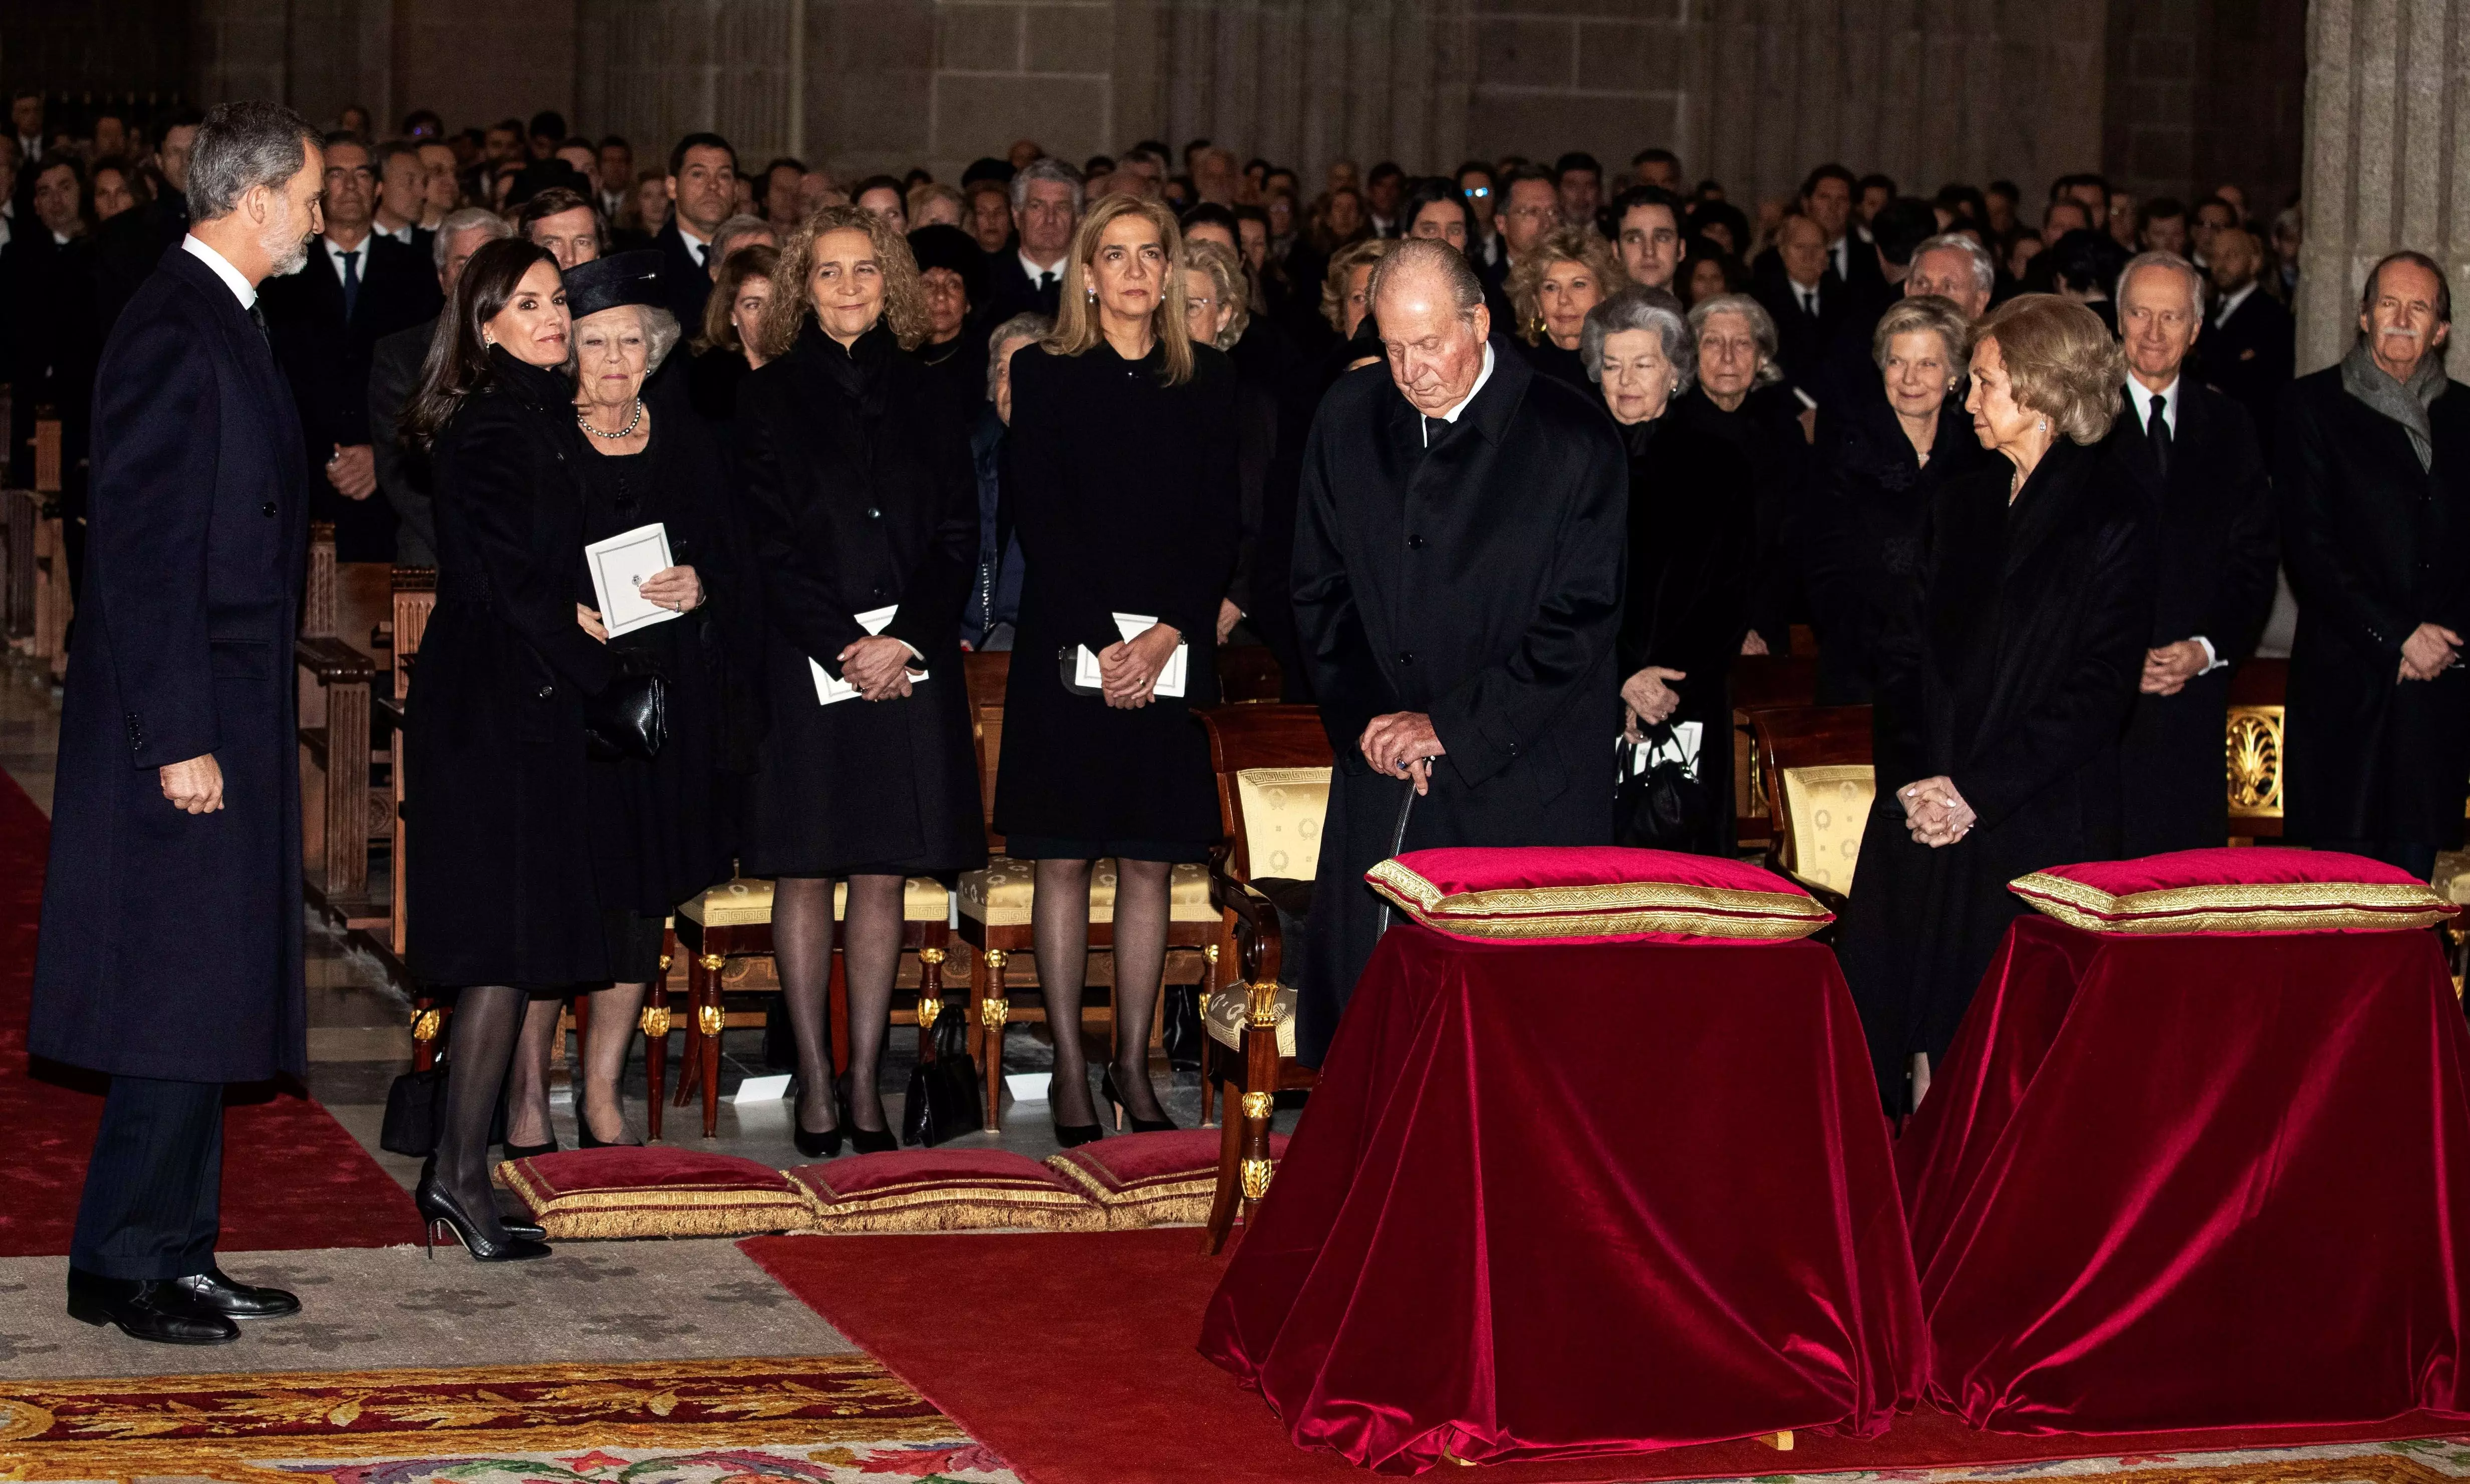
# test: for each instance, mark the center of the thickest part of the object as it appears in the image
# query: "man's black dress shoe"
(147, 1308)
(214, 1290)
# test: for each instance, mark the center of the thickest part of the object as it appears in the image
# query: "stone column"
(2388, 157)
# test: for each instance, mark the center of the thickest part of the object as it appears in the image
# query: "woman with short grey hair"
(1689, 544)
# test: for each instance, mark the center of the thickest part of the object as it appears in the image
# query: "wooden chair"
(1272, 764)
(1760, 681)
(1819, 788)
(2252, 748)
(414, 598)
(21, 512)
(994, 905)
(337, 809)
(1247, 673)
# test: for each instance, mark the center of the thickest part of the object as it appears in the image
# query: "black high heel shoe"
(814, 1146)
(584, 1139)
(1123, 1110)
(1070, 1135)
(438, 1207)
(534, 1150)
(865, 1140)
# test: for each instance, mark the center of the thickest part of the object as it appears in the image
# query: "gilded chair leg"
(994, 1012)
(1223, 1200)
(691, 1049)
(930, 994)
(655, 1021)
(710, 1021)
(428, 1024)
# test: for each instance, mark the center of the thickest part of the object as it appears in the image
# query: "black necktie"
(1435, 428)
(2157, 428)
(1045, 280)
(257, 317)
(351, 282)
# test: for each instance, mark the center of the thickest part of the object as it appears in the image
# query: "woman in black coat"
(1880, 463)
(1741, 398)
(1685, 609)
(2003, 692)
(495, 789)
(864, 508)
(1124, 455)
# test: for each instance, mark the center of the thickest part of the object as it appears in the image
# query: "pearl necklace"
(628, 432)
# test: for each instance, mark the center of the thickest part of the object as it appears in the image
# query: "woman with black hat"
(953, 272)
(658, 826)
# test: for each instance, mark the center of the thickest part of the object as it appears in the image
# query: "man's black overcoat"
(2376, 546)
(171, 942)
(1478, 581)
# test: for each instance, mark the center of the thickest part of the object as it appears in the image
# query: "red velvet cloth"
(1536, 894)
(2242, 865)
(2261, 889)
(1557, 1201)
(2186, 1182)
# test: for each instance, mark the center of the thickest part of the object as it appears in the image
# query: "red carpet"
(1023, 1340)
(291, 1177)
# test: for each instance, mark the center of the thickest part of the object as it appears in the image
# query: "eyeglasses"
(1532, 212)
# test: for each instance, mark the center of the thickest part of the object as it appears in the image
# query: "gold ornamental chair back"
(1819, 787)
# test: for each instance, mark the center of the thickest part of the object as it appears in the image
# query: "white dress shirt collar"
(1036, 270)
(401, 234)
(1467, 401)
(699, 248)
(242, 289)
(335, 252)
(2230, 302)
(2140, 397)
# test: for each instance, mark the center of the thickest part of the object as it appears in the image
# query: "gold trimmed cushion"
(1282, 809)
(1225, 1012)
(580, 1194)
(1000, 895)
(1151, 1179)
(2255, 888)
(1596, 893)
(749, 899)
(1825, 808)
(943, 1190)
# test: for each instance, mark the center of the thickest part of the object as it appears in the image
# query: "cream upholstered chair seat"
(1225, 1014)
(749, 900)
(1826, 808)
(1001, 895)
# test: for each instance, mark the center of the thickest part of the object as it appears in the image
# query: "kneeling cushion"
(656, 1192)
(2259, 888)
(1152, 1179)
(942, 1191)
(1596, 893)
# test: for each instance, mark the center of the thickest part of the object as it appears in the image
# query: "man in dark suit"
(132, 243)
(1808, 301)
(2218, 557)
(170, 956)
(1826, 198)
(703, 194)
(356, 287)
(395, 375)
(1046, 208)
(2251, 348)
(1483, 707)
(2372, 471)
(47, 328)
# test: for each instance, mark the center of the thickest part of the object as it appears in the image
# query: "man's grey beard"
(284, 245)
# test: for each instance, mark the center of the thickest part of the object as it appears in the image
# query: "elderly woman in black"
(1740, 398)
(1690, 536)
(1881, 462)
(2003, 691)
(1124, 457)
(865, 517)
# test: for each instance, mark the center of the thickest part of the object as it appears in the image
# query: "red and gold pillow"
(2262, 888)
(580, 1195)
(1596, 893)
(1151, 1179)
(942, 1191)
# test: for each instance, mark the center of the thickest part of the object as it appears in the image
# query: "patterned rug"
(2408, 1461)
(833, 1420)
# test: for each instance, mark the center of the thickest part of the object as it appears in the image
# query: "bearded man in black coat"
(2373, 475)
(170, 955)
(1458, 592)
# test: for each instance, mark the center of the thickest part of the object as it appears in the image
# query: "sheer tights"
(486, 1017)
(607, 1038)
(801, 942)
(1059, 924)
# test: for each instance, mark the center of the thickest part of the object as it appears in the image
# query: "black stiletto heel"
(1070, 1135)
(532, 1151)
(864, 1140)
(438, 1208)
(813, 1146)
(1123, 1110)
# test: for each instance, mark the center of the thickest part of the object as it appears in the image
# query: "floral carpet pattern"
(2411, 1461)
(832, 1420)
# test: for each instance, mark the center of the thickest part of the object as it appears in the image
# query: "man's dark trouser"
(153, 1189)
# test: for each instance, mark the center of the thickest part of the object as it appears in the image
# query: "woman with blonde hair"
(1123, 447)
(730, 344)
(1552, 289)
(2003, 684)
(863, 507)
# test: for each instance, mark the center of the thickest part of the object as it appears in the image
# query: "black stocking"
(1059, 919)
(1141, 904)
(485, 1021)
(871, 948)
(801, 948)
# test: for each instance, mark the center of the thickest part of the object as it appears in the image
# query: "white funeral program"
(620, 563)
(830, 690)
(1132, 626)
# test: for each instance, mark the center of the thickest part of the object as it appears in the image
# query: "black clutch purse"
(630, 718)
(943, 1101)
(1663, 808)
(415, 1114)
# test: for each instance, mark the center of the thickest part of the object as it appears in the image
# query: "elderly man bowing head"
(1457, 579)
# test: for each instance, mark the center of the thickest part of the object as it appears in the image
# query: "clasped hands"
(1935, 813)
(878, 666)
(2429, 652)
(1646, 697)
(671, 587)
(1402, 745)
(2168, 668)
(1129, 669)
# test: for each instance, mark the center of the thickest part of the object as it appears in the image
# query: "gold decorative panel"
(2253, 747)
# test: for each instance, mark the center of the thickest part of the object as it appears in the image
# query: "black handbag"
(415, 1114)
(943, 1101)
(630, 718)
(1664, 807)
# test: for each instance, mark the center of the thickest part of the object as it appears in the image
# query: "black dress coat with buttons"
(1125, 499)
(860, 494)
(1477, 581)
(2217, 556)
(500, 889)
(170, 943)
(2376, 545)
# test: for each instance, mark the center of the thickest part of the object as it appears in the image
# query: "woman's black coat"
(1126, 497)
(499, 888)
(1687, 602)
(1858, 541)
(2014, 677)
(860, 494)
(1766, 428)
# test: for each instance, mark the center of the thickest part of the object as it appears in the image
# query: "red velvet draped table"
(1551, 1201)
(2181, 1182)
